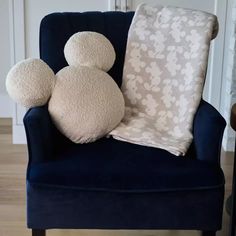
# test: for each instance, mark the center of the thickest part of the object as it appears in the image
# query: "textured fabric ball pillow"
(91, 104)
(84, 101)
(90, 49)
(30, 83)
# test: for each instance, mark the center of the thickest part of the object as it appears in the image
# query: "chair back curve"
(56, 29)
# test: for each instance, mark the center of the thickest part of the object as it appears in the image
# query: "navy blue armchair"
(109, 184)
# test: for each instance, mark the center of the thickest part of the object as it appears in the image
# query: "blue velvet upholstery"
(112, 165)
(57, 28)
(111, 184)
(64, 207)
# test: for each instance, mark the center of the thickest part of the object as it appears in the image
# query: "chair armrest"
(39, 133)
(43, 137)
(208, 129)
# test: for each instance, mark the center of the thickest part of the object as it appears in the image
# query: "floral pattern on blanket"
(164, 72)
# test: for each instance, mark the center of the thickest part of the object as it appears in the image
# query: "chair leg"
(208, 233)
(38, 232)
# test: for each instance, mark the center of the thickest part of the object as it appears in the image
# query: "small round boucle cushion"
(90, 49)
(86, 103)
(30, 82)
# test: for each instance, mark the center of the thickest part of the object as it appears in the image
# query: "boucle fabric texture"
(90, 49)
(86, 103)
(163, 77)
(30, 82)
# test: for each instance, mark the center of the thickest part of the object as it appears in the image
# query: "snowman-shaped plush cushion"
(85, 102)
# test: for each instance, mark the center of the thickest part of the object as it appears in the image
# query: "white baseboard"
(7, 111)
(228, 144)
(19, 136)
(6, 106)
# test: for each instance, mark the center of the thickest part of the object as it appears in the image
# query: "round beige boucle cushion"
(30, 82)
(86, 103)
(90, 49)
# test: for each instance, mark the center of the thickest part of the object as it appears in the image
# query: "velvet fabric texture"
(111, 165)
(68, 208)
(111, 184)
(57, 28)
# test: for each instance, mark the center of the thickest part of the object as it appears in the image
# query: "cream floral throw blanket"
(164, 72)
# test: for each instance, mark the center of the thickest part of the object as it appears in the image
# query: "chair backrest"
(56, 29)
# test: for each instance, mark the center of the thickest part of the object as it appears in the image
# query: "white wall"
(35, 10)
(5, 58)
(228, 94)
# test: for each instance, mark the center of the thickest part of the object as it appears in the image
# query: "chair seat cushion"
(112, 165)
